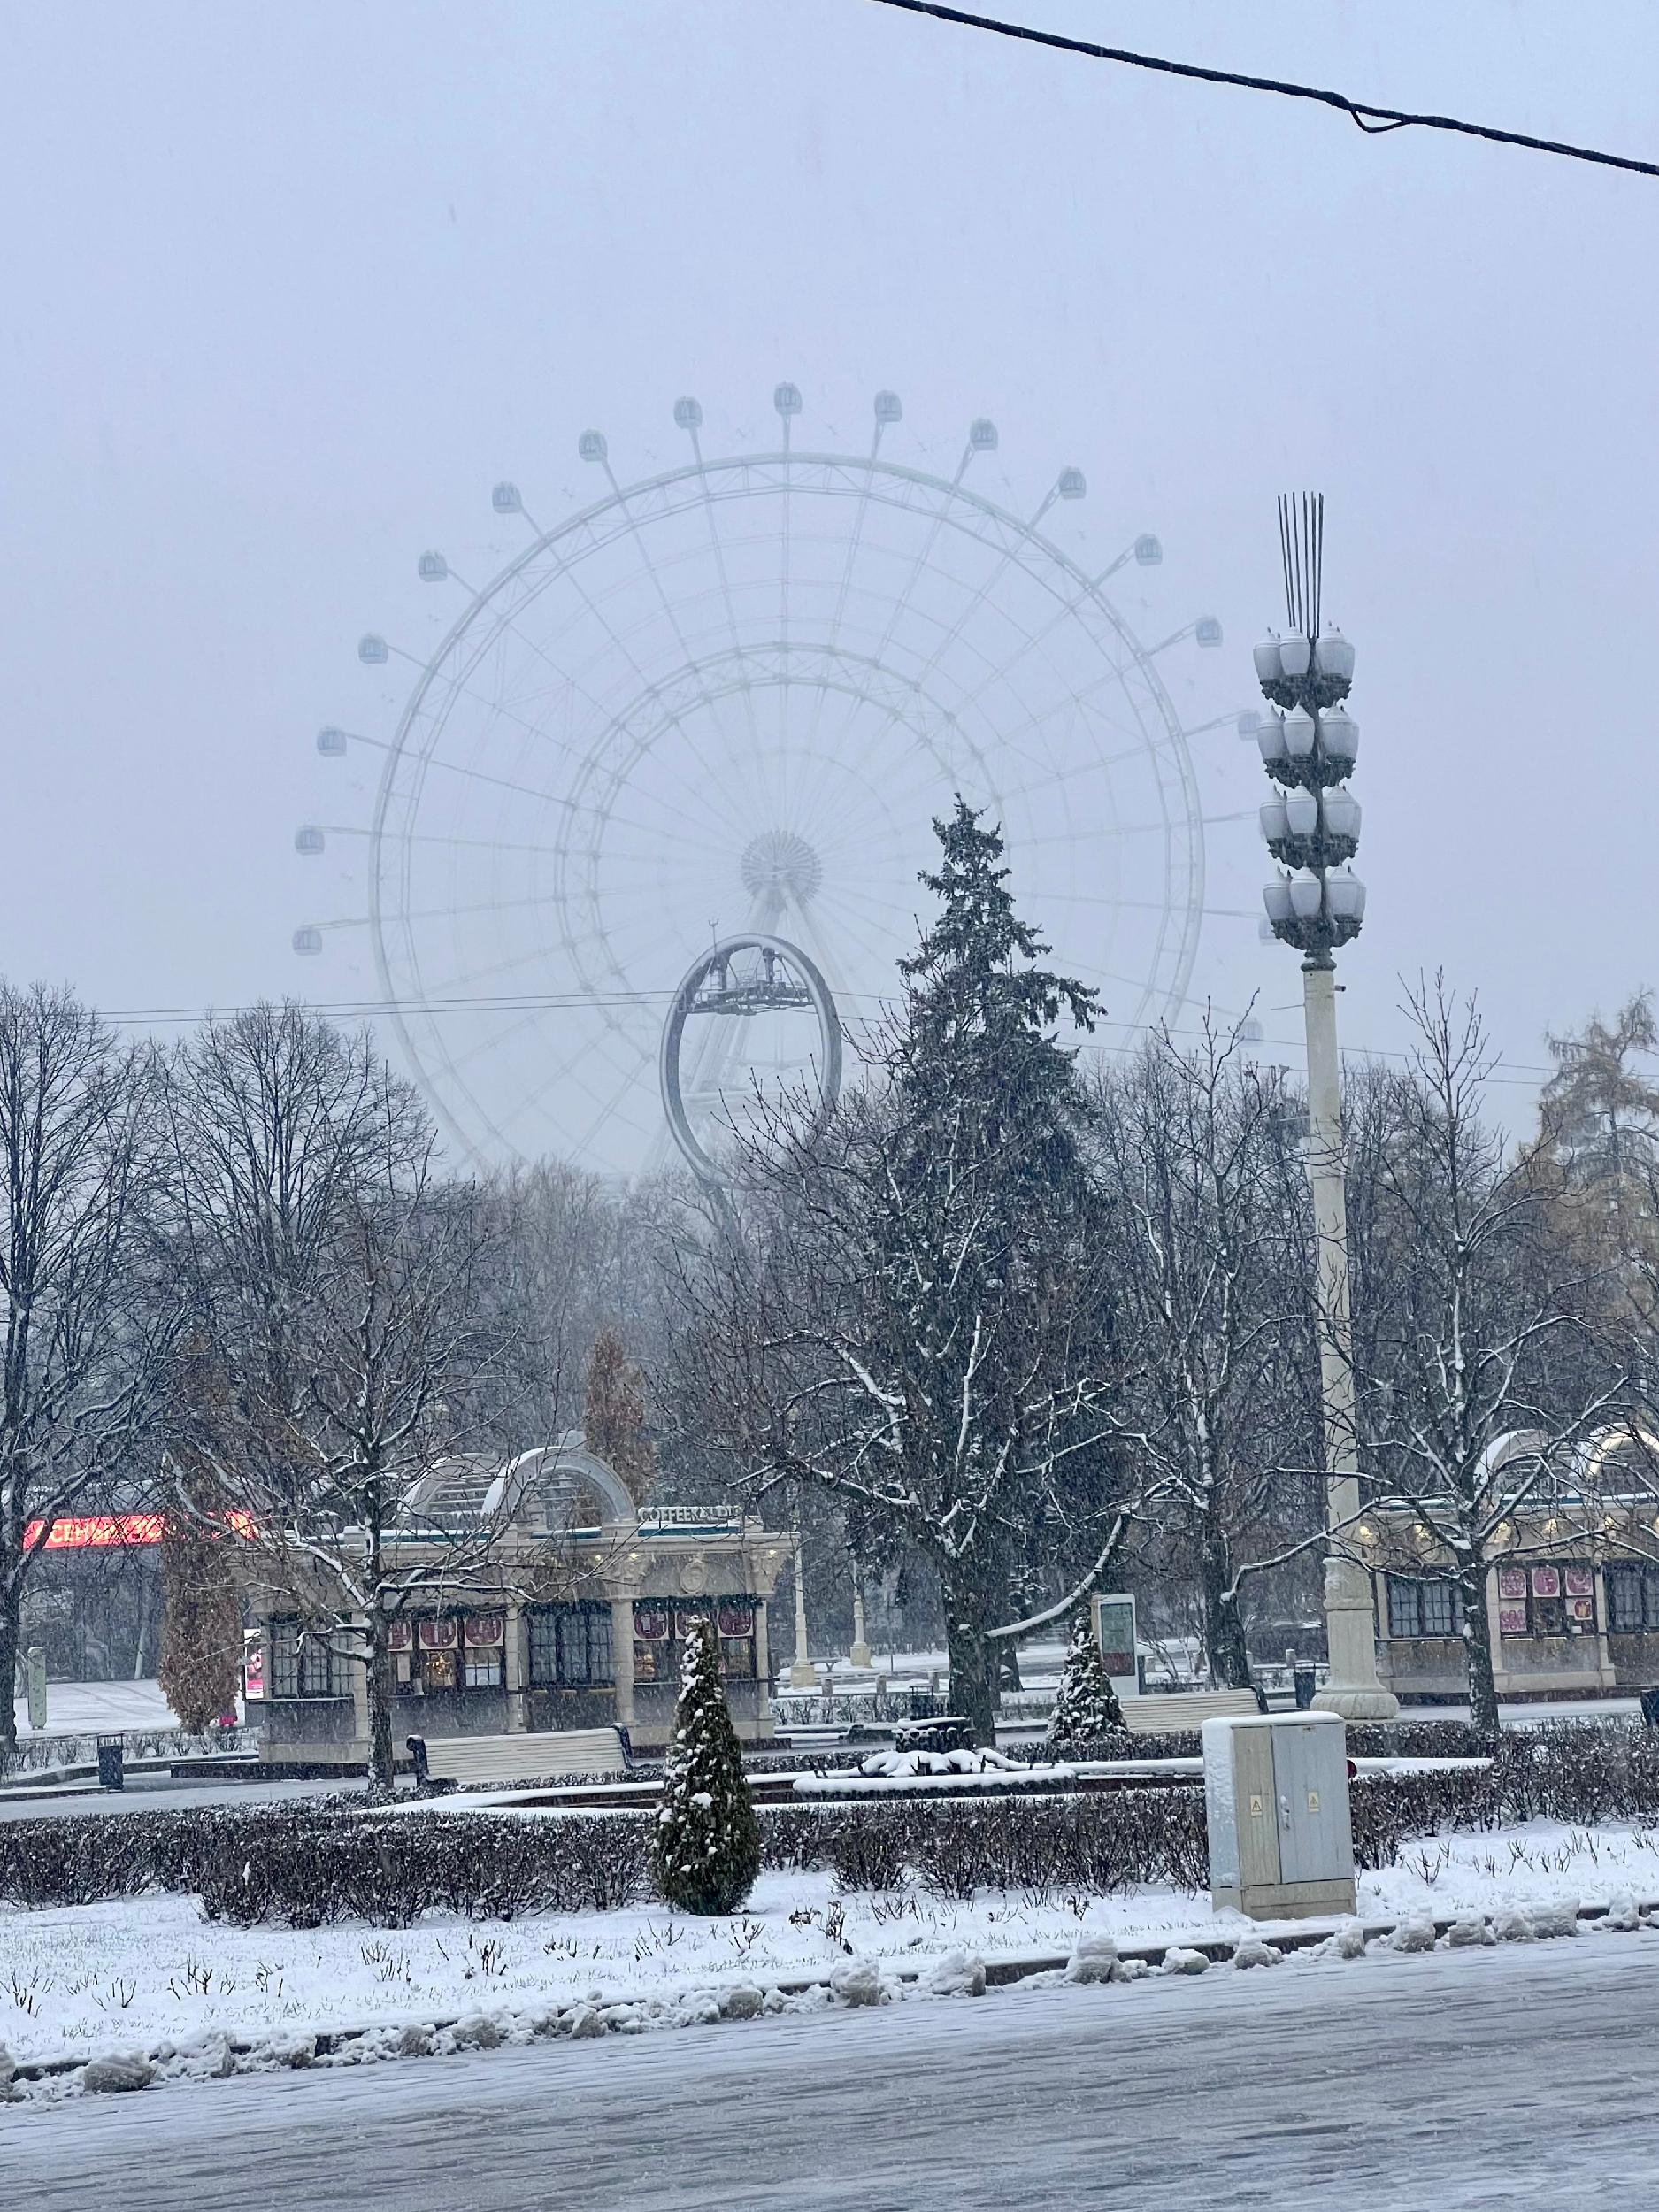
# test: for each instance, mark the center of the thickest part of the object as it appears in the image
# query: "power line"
(1368, 117)
(536, 1002)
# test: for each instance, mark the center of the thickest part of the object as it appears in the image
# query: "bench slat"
(525, 1757)
(1159, 1715)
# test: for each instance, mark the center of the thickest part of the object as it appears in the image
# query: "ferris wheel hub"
(781, 863)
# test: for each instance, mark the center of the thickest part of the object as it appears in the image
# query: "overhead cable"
(1368, 117)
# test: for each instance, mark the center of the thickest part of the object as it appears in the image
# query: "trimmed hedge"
(307, 1863)
(1366, 1740)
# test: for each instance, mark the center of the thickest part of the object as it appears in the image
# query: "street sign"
(1115, 1632)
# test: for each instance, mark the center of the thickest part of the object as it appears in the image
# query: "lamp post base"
(1357, 1704)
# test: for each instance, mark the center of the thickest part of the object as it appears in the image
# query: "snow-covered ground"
(80, 1709)
(77, 1980)
(1469, 2082)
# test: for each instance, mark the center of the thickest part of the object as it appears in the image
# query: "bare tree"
(1482, 1373)
(84, 1328)
(345, 1285)
(1210, 1251)
(397, 1348)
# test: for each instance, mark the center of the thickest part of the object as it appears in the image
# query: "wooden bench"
(530, 1757)
(1183, 1709)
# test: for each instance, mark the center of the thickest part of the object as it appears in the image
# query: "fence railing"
(41, 1754)
(835, 1707)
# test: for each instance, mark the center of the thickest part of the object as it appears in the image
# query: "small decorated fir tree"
(1086, 1707)
(705, 1853)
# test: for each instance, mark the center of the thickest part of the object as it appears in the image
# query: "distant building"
(572, 1610)
(1571, 1597)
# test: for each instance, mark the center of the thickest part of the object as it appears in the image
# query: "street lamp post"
(1312, 825)
(801, 1674)
(859, 1656)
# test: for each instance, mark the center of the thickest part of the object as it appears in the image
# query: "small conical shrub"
(705, 1853)
(1086, 1705)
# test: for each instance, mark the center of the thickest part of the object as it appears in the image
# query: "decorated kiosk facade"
(540, 1599)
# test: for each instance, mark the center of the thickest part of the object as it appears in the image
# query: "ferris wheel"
(649, 830)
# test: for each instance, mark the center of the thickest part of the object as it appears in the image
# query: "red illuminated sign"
(85, 1531)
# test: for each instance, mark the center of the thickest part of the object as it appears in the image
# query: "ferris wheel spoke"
(613, 1098)
(837, 893)
(1074, 771)
(833, 768)
(722, 825)
(441, 838)
(457, 988)
(632, 1081)
(676, 720)
(1058, 617)
(860, 934)
(838, 819)
(1128, 906)
(855, 540)
(723, 576)
(1076, 702)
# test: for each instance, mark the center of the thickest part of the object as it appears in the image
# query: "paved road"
(1456, 2083)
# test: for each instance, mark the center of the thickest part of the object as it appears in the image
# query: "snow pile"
(1177, 1960)
(1094, 1959)
(958, 1974)
(908, 1765)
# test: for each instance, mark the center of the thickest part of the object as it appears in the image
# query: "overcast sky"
(288, 287)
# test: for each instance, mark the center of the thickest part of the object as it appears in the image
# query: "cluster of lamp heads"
(1308, 744)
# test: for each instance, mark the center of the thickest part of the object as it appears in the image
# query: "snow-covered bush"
(1415, 1934)
(1086, 1707)
(1178, 1960)
(705, 1848)
(957, 1974)
(856, 1982)
(1094, 1958)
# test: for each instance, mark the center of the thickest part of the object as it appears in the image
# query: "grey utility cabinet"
(1281, 1844)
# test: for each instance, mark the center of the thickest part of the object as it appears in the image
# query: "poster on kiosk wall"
(1115, 1632)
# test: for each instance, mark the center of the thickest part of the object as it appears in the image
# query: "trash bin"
(111, 1764)
(1650, 1708)
(1301, 1679)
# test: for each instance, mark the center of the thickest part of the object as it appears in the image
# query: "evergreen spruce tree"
(979, 1250)
(917, 1324)
(1086, 1707)
(705, 1853)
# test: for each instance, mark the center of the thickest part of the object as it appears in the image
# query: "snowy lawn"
(77, 1980)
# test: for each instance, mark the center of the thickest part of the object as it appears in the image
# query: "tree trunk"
(974, 1661)
(382, 1764)
(1483, 1691)
(10, 1638)
(1224, 1630)
(142, 1639)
